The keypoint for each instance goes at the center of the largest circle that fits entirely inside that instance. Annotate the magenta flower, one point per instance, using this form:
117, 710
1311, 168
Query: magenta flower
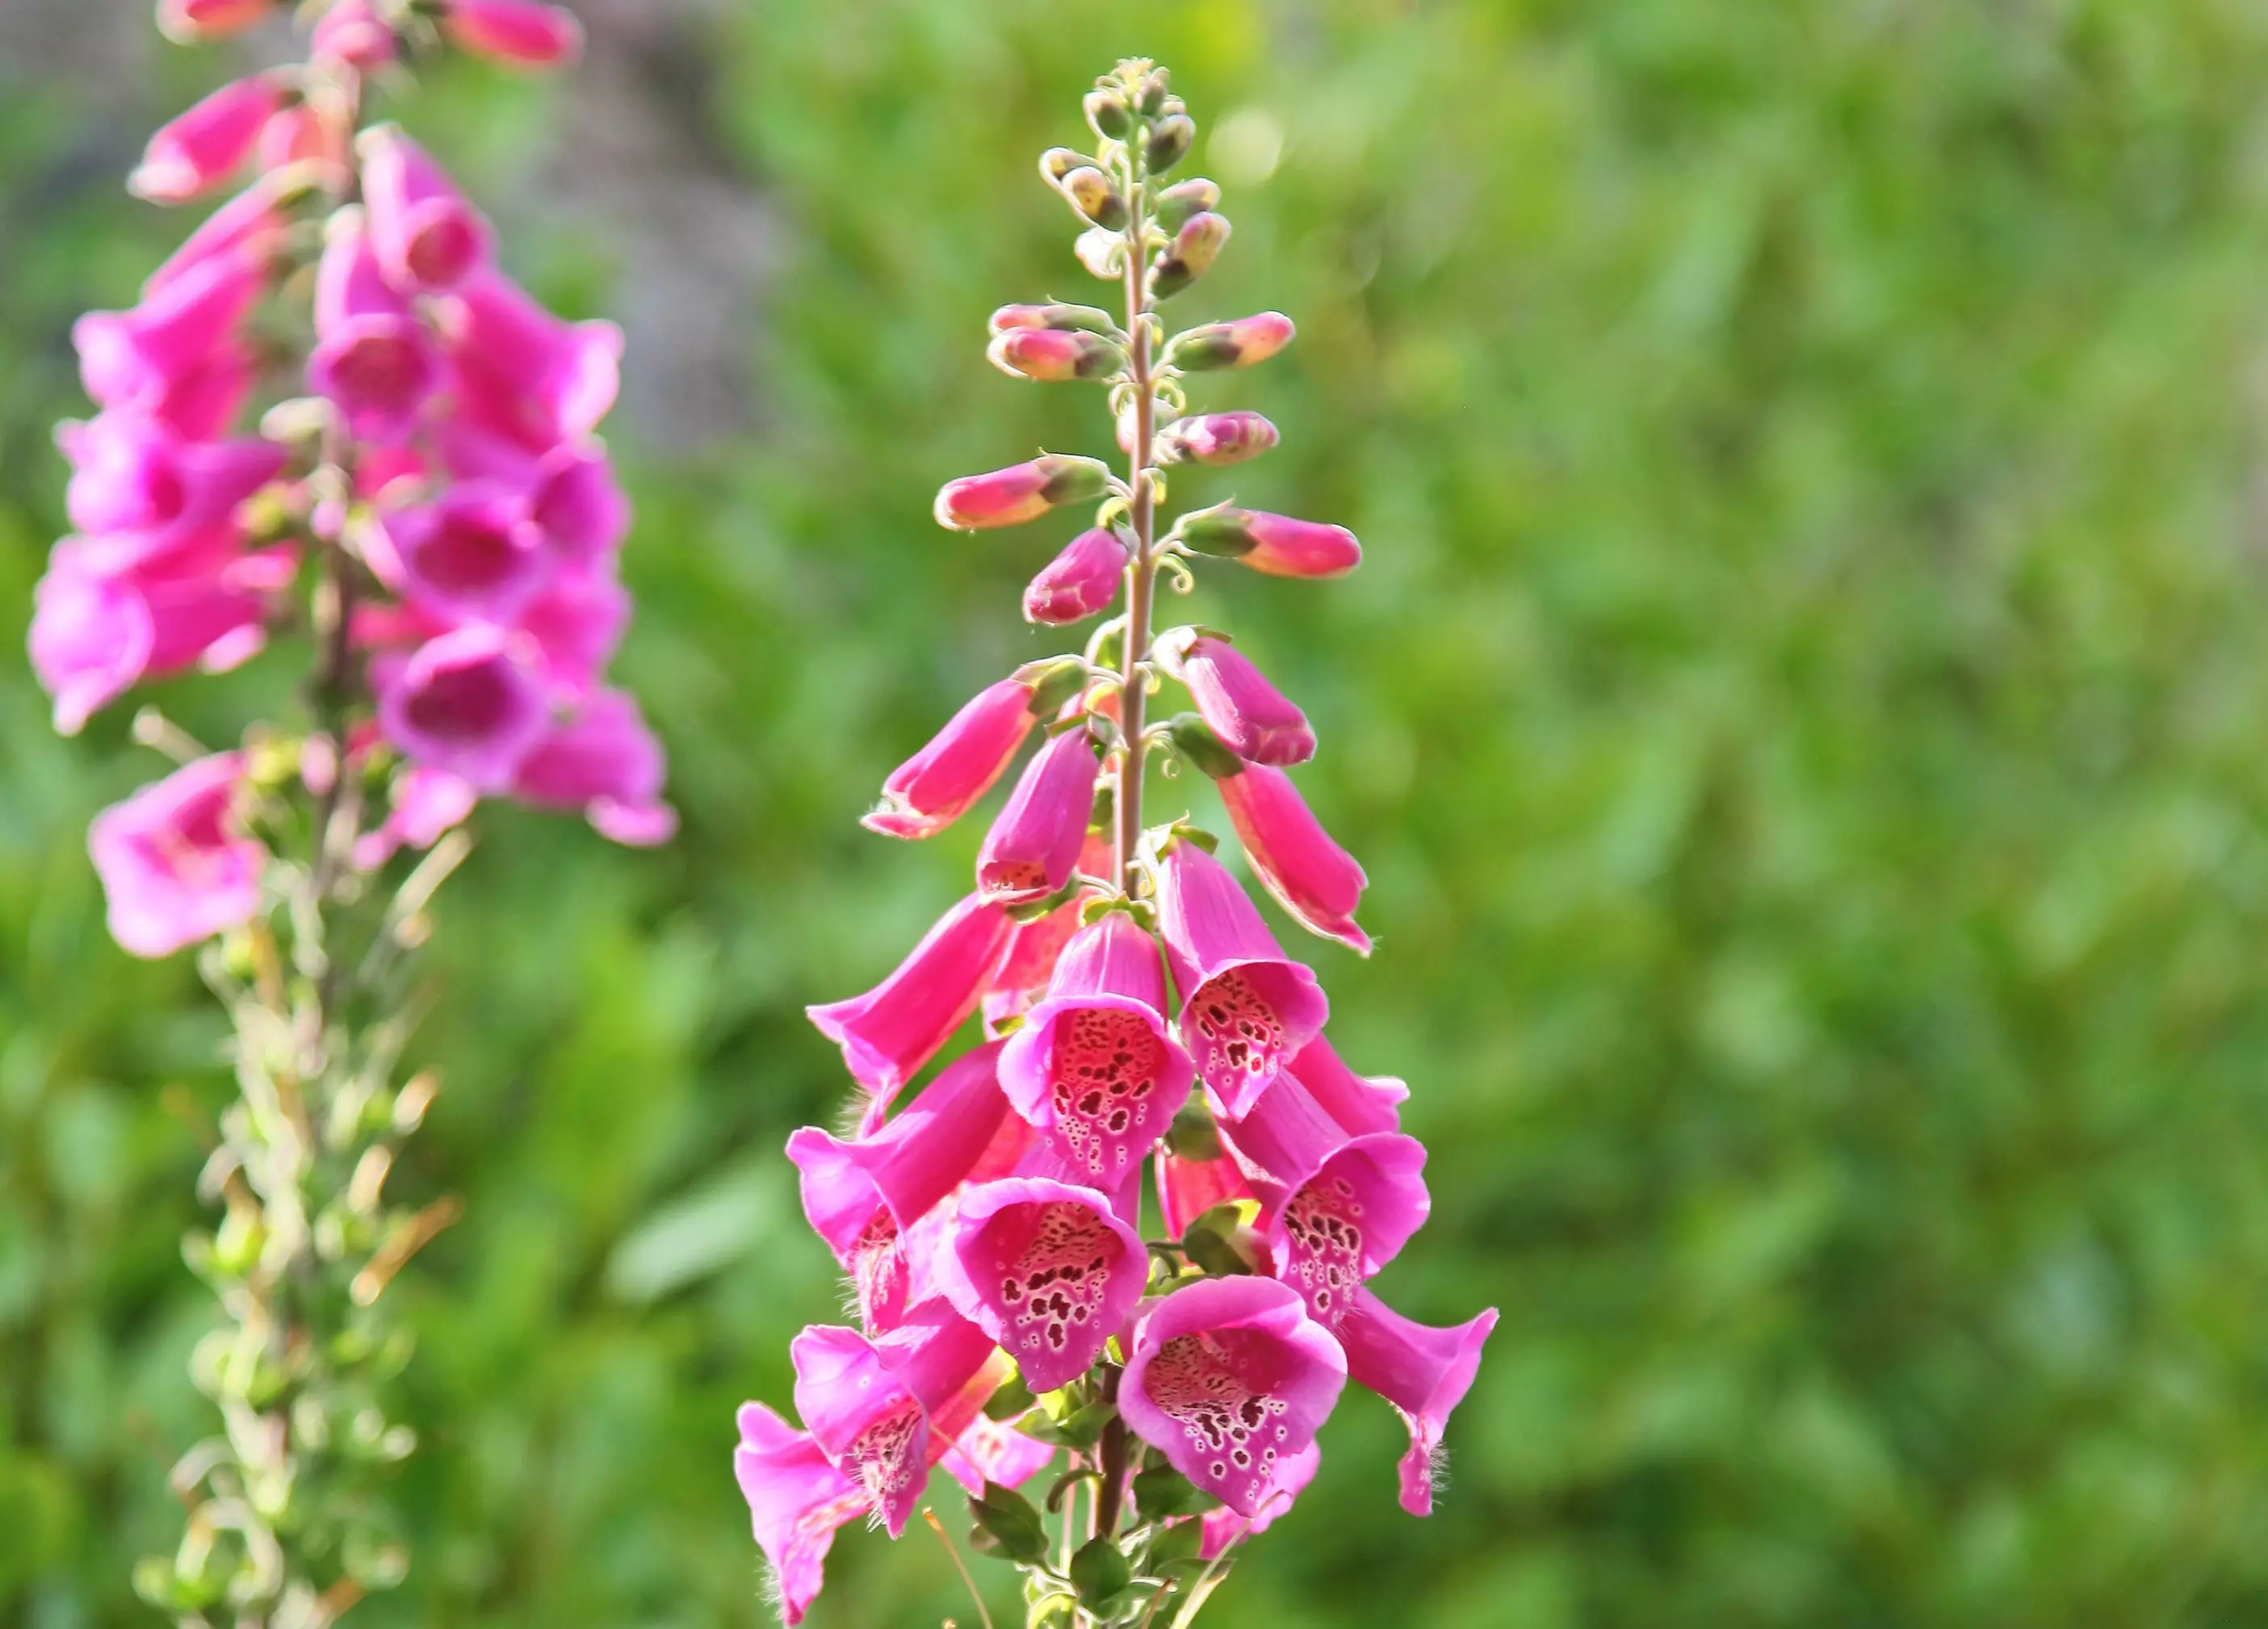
604, 762
149, 357
522, 32
1223, 1527
240, 230
192, 21
937, 785
1249, 1008
887, 1034
1033, 848
1054, 355
352, 33
523, 374
864, 1195
1093, 1065
134, 475
475, 551
1237, 344
175, 864
1046, 1269
797, 1500
1079, 582
1362, 1104
424, 805
1423, 1371
1035, 946
1229, 1379
372, 356
424, 233
1275, 544
197, 152
574, 626
1022, 492
579, 503
1188, 1188
1311, 877
1348, 1219
465, 702
1216, 438
1252, 716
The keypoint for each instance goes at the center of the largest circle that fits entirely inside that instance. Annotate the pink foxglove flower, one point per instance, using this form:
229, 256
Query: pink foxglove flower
1223, 1527
525, 33
1033, 847
1252, 716
1079, 582
578, 502
1022, 492
425, 805
604, 762
424, 233
887, 1034
1093, 1065
1274, 544
192, 21
1310, 875
1217, 439
373, 357
1046, 1269
475, 551
175, 864
523, 374
198, 150
937, 785
1229, 1379
135, 476
145, 357
1055, 354
353, 33
574, 626
467, 702
1423, 1371
1348, 1219
240, 230
1188, 1188
1035, 946
1248, 1009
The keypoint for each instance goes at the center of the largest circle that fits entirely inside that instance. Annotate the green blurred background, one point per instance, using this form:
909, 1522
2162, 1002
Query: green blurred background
1800, 712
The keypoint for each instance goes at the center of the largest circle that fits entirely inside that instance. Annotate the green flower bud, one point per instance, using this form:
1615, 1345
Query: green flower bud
1058, 162
1107, 112
1084, 318
1189, 256
1184, 199
1150, 95
1093, 196
1169, 141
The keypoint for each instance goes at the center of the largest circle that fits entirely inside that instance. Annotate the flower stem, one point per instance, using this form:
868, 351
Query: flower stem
1142, 569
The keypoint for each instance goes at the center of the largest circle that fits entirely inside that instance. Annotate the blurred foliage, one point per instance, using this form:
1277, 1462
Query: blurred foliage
1801, 713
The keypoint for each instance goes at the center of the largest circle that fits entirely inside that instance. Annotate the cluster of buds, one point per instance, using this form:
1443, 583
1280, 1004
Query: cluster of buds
1143, 1029
333, 373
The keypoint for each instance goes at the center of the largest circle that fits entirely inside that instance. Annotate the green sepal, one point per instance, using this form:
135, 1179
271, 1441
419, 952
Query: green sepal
1162, 1491
1169, 1546
1100, 1573
1013, 1397
1081, 1428
1222, 1242
1195, 740
1006, 1525
1052, 683
1194, 1135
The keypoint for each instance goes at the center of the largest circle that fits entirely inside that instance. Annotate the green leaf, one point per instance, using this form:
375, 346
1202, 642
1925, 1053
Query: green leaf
1006, 1525
1081, 1428
1010, 1400
1162, 1491
1101, 1572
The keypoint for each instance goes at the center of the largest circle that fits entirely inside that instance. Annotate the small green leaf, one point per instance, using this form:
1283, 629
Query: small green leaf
1006, 1525
1194, 1134
1101, 1572
1010, 1400
1184, 1541
1162, 1491
1082, 1428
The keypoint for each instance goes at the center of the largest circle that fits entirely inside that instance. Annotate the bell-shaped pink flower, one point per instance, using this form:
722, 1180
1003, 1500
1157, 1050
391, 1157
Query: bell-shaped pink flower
425, 804
1423, 1371
140, 358
579, 503
1022, 492
1275, 544
1046, 1269
1318, 881
191, 22
474, 550
864, 1195
525, 375
797, 1500
1222, 1527
1188, 1188
175, 864
524, 33
604, 762
135, 478
196, 152
372, 356
239, 229
1229, 1379
467, 702
1350, 1217
574, 626
1093, 1065
352, 31
1216, 438
887, 1034
1033, 848
1248, 1009
1254, 718
1362, 1104
937, 785
424, 234
1079, 582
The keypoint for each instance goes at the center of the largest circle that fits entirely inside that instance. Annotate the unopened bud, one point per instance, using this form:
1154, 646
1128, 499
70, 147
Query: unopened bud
1216, 438
522, 34
1022, 492
1079, 582
1237, 344
1102, 252
1195, 740
1275, 544
1107, 112
1150, 95
189, 21
1058, 162
1051, 683
1189, 256
1086, 318
1184, 199
1093, 196
1050, 355
1169, 141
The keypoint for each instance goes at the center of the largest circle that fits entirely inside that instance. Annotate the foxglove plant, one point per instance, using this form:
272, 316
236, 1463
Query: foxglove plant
331, 418
1010, 1306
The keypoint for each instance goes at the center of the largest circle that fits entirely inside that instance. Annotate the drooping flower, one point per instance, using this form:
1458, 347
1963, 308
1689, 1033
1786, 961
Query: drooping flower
474, 550
1035, 946
198, 150
136, 480
604, 762
1423, 1371
1079, 582
1310, 875
352, 33
523, 374
467, 702
1229, 1379
524, 33
1275, 544
1216, 438
1093, 1065
149, 358
1033, 847
374, 357
937, 785
194, 21
1347, 1219
1248, 1008
424, 234
1047, 1269
425, 804
887, 1034
1256, 720
176, 865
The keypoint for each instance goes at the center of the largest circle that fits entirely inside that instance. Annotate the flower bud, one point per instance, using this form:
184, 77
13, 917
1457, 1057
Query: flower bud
352, 33
1022, 492
1253, 718
1195, 740
1107, 112
1194, 249
1183, 199
190, 22
1150, 95
1049, 355
195, 151
1093, 196
1238, 344
1102, 253
526, 33
1085, 319
1169, 141
1216, 438
1275, 544
1079, 582
1058, 162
